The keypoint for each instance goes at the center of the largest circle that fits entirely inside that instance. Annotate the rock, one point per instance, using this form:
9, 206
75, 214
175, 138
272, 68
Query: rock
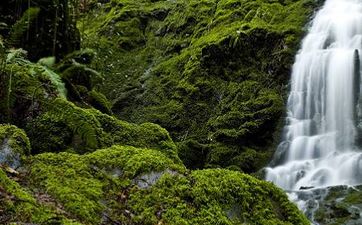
148, 180
14, 146
306, 187
332, 205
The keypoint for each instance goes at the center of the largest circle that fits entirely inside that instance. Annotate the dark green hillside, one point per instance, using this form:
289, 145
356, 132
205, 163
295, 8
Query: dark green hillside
212, 72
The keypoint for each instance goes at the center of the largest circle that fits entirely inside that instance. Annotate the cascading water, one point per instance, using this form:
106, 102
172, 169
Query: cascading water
319, 145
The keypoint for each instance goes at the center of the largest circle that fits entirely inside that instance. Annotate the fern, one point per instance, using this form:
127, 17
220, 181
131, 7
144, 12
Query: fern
22, 26
56, 81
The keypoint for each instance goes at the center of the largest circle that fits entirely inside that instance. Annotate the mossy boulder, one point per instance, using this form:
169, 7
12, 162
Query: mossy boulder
15, 146
26, 88
83, 82
214, 196
34, 98
91, 185
66, 126
143, 186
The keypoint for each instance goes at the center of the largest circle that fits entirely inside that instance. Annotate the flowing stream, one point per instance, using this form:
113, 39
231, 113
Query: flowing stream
320, 142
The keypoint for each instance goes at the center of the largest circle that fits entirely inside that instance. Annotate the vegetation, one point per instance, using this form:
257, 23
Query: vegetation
105, 123
212, 72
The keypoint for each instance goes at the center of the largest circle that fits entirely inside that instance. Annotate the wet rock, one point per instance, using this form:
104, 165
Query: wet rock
14, 144
331, 205
306, 187
148, 180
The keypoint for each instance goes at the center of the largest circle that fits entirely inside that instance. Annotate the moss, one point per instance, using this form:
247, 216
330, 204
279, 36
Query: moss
19, 206
15, 146
338, 205
210, 72
55, 124
109, 185
214, 197
26, 88
146, 135
65, 126
79, 74
82, 56
87, 183
100, 102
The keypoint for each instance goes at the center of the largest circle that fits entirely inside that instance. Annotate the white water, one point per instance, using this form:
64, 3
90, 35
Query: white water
319, 145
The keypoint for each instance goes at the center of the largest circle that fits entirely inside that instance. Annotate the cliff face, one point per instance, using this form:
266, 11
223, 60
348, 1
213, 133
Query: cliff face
214, 73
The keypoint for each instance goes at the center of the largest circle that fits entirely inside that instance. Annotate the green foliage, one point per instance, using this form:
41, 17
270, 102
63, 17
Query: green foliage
65, 126
27, 87
213, 73
22, 26
56, 81
43, 28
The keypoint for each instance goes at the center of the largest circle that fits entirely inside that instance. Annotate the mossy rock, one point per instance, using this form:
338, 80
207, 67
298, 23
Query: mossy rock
214, 196
99, 101
143, 186
15, 146
18, 206
68, 127
26, 88
34, 102
211, 72
334, 205
92, 183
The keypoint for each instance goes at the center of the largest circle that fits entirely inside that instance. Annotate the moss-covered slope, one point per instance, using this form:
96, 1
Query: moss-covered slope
127, 185
212, 72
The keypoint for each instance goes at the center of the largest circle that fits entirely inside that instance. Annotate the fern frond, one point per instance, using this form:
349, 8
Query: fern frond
22, 25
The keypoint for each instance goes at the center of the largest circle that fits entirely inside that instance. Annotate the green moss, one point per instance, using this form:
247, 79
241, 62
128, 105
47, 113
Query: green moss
15, 146
28, 87
99, 101
19, 206
214, 197
66, 126
86, 184
338, 205
210, 72
143, 186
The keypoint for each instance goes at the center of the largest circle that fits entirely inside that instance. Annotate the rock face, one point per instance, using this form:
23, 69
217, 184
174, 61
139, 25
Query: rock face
332, 205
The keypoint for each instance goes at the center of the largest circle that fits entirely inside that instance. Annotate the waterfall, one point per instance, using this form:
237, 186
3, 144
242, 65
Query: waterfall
319, 146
